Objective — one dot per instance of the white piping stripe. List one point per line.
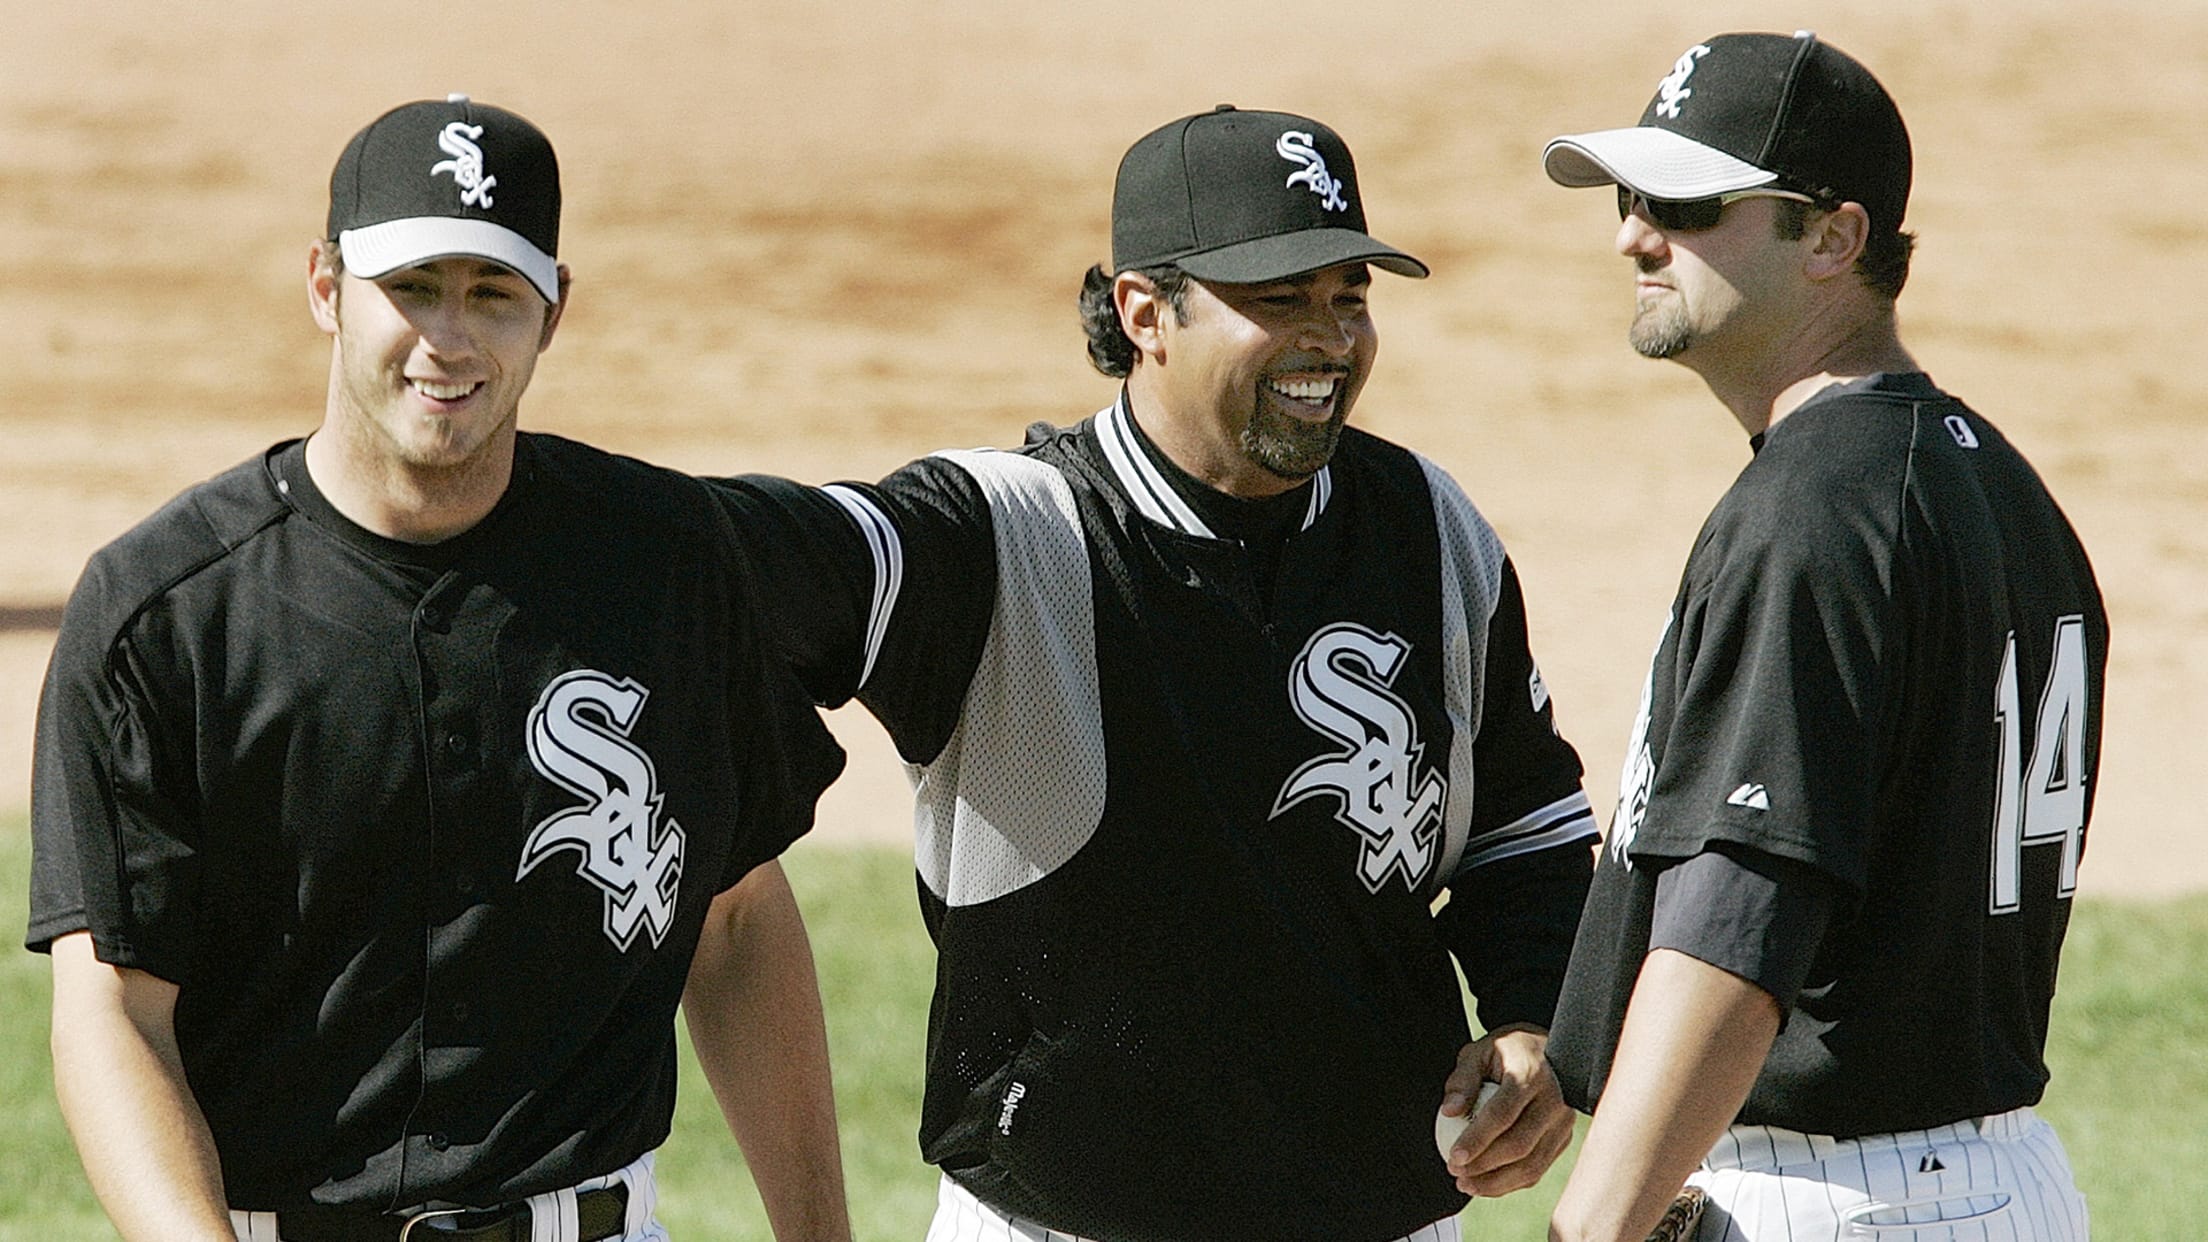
(889, 566)
(1322, 491)
(1140, 478)
(1561, 822)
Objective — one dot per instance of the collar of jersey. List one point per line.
(1148, 489)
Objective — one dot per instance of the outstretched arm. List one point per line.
(753, 1007)
(1695, 1038)
(120, 1080)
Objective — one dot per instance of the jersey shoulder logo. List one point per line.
(1341, 686)
(1673, 90)
(466, 165)
(1297, 147)
(579, 740)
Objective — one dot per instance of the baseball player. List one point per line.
(1821, 943)
(394, 786)
(1208, 698)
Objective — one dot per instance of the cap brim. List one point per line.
(1284, 255)
(382, 248)
(1656, 162)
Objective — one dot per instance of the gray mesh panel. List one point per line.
(1471, 585)
(1019, 789)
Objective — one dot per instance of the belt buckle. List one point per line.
(406, 1229)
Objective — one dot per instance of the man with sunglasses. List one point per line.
(1821, 943)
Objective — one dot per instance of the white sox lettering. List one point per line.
(466, 164)
(1672, 91)
(1297, 145)
(579, 740)
(1340, 686)
(1639, 771)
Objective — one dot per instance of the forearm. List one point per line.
(1695, 1038)
(120, 1082)
(754, 1012)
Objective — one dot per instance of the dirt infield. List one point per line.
(820, 239)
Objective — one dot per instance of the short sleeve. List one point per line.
(1781, 681)
(115, 848)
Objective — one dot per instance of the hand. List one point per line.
(1513, 1140)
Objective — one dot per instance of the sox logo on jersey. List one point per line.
(579, 740)
(1340, 686)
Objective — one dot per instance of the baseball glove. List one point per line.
(1681, 1218)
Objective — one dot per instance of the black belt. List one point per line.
(599, 1214)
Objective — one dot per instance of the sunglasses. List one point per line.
(1692, 215)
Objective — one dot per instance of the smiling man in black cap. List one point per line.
(1821, 944)
(1208, 698)
(393, 787)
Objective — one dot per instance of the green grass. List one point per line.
(2130, 1059)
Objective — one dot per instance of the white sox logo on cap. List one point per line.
(1673, 90)
(1342, 687)
(579, 740)
(1298, 147)
(466, 164)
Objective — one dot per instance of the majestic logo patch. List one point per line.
(466, 164)
(1340, 686)
(1672, 91)
(579, 740)
(1296, 146)
(1753, 796)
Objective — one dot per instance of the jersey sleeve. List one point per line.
(1516, 895)
(882, 592)
(1781, 680)
(114, 834)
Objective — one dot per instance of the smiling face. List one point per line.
(1249, 390)
(430, 361)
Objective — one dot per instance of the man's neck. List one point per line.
(404, 503)
(1763, 389)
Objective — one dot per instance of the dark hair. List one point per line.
(1884, 264)
(1109, 349)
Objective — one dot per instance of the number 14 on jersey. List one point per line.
(2045, 802)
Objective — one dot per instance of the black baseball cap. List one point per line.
(443, 178)
(1743, 111)
(1243, 198)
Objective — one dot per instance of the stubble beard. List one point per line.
(1293, 448)
(1661, 330)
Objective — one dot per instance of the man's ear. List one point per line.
(322, 285)
(1839, 237)
(1142, 313)
(552, 314)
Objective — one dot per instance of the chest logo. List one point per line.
(579, 740)
(1673, 90)
(1638, 775)
(1296, 146)
(1342, 687)
(466, 165)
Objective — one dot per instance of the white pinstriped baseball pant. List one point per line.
(2003, 1178)
(551, 1215)
(960, 1217)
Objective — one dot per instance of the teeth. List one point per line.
(1313, 390)
(444, 392)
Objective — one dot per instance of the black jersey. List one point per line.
(1178, 836)
(1885, 662)
(424, 835)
